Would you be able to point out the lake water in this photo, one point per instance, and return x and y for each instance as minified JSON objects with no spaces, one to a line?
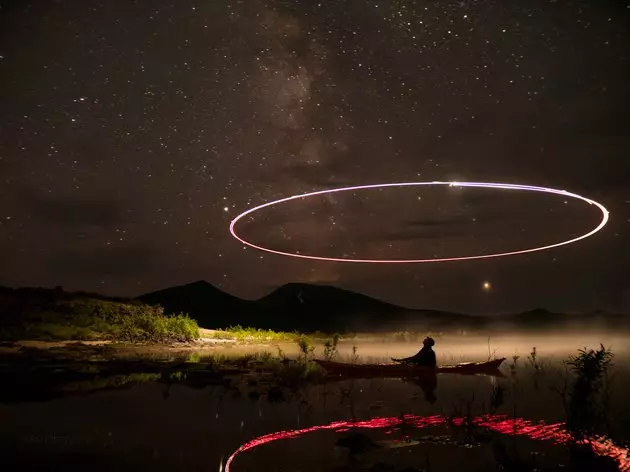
{"x":375,"y":425}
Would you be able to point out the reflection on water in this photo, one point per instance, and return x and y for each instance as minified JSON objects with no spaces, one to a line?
{"x":428,"y":384}
{"x":555,"y":433}
{"x":194,"y":419}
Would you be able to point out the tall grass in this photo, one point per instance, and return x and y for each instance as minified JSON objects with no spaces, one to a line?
{"x":240,"y":333}
{"x":330,"y":348}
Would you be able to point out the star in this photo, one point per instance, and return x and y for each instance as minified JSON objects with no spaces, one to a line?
{"x":127,"y":151}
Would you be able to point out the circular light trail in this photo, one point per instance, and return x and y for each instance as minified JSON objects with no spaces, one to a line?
{"x":502,"y":424}
{"x":502,"y":186}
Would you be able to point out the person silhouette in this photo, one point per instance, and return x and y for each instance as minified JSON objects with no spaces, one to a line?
{"x":424,"y":357}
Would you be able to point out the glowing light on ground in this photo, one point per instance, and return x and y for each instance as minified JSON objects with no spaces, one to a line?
{"x":499,"y":186}
{"x":537,"y":430}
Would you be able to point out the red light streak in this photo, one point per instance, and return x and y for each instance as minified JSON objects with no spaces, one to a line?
{"x":537,"y":430}
{"x":503,"y":186}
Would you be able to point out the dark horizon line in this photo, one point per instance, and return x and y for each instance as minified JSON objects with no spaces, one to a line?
{"x":137,"y":298}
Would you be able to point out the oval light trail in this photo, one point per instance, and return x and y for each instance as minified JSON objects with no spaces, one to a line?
{"x":503,"y":186}
{"x":537,"y":430}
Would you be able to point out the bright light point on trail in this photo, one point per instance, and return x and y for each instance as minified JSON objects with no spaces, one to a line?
{"x":486,"y":286}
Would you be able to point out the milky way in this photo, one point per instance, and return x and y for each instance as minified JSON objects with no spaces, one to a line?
{"x":134,"y":132}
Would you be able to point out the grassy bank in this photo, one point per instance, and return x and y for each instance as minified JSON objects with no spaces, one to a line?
{"x":251,"y":334}
{"x":61,"y":317}
{"x":256,"y":335}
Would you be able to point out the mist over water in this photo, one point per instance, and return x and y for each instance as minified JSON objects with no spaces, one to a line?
{"x":449,"y":349}
{"x":452,"y":348}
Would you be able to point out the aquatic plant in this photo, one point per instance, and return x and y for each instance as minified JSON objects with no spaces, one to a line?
{"x":491,"y":353}
{"x":534,"y":362}
{"x":281,"y":354}
{"x":537,"y":365}
{"x":294,"y":375}
{"x":305,"y":345}
{"x":264,"y":356}
{"x":108,"y":382}
{"x":330,"y":348}
{"x":193,"y":358}
{"x":497,"y":399}
{"x":587,"y":398}
{"x":513,"y":365}
{"x":354,"y":358}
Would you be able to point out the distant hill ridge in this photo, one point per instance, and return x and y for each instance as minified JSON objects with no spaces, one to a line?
{"x":310,"y":307}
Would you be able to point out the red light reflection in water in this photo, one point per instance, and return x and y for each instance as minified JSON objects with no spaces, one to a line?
{"x":537,"y":430}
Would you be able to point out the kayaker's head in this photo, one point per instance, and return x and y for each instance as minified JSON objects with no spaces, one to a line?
{"x":429,"y":342}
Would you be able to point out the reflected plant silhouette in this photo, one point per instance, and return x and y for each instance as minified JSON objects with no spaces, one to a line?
{"x":497,"y":399}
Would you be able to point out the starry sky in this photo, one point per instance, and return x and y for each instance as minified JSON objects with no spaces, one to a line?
{"x":133,"y":132}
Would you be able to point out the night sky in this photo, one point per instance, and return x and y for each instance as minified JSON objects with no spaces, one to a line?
{"x":133,"y":132}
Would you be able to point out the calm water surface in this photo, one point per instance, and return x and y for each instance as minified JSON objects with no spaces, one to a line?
{"x":151,"y":426}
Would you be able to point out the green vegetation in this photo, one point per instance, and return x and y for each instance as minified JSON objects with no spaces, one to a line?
{"x":295,"y":375}
{"x":194,"y":358}
{"x":330,"y":348}
{"x":305,"y":345}
{"x":256,"y":335}
{"x":240,"y":333}
{"x":94,"y":319}
{"x":248,"y":334}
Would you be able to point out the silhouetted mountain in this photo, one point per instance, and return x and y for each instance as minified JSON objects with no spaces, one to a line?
{"x":540,"y":319}
{"x":303,"y":307}
{"x":307,"y":307}
{"x":323,"y":308}
{"x":326,"y":308}
{"x":211,"y":307}
{"x":308,"y":297}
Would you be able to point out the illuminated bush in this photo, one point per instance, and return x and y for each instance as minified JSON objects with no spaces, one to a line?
{"x":92,"y":319}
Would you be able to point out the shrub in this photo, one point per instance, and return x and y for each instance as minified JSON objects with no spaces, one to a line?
{"x":240,"y":333}
{"x":90,"y":319}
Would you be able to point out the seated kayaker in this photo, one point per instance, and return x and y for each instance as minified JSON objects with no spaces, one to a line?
{"x":424,"y":357}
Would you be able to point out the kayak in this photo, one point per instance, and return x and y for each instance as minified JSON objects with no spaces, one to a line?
{"x":402,"y":370}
